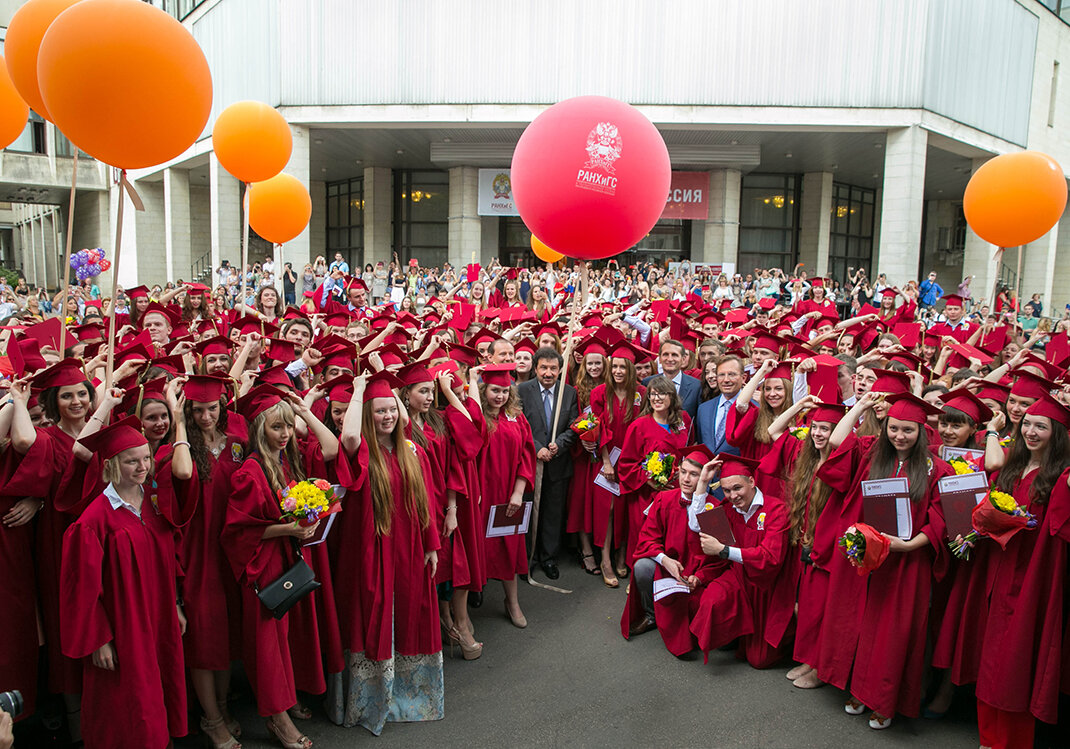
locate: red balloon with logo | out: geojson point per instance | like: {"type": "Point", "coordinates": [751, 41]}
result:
{"type": "Point", "coordinates": [590, 176]}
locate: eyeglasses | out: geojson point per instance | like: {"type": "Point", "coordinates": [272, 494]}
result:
{"type": "Point", "coordinates": [659, 396]}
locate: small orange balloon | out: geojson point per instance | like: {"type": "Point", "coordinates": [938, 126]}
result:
{"type": "Point", "coordinates": [279, 208]}
{"type": "Point", "coordinates": [1016, 198]}
{"type": "Point", "coordinates": [125, 81]}
{"type": "Point", "coordinates": [543, 252]}
{"type": "Point", "coordinates": [13, 110]}
{"type": "Point", "coordinates": [252, 141]}
{"type": "Point", "coordinates": [22, 43]}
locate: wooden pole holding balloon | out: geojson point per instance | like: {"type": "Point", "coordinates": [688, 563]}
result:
{"type": "Point", "coordinates": [66, 269]}
{"type": "Point", "coordinates": [244, 243]}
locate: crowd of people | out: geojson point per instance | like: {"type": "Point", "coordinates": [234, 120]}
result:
{"type": "Point", "coordinates": [703, 441]}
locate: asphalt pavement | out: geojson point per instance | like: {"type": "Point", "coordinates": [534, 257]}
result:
{"type": "Point", "coordinates": [571, 680]}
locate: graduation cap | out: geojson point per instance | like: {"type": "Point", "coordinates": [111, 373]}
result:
{"type": "Point", "coordinates": [890, 381]}
{"type": "Point", "coordinates": [782, 371]}
{"type": "Point", "coordinates": [47, 333]}
{"type": "Point", "coordinates": [1051, 371]}
{"type": "Point", "coordinates": [698, 454]}
{"type": "Point", "coordinates": [381, 385]}
{"type": "Point", "coordinates": [909, 407]}
{"type": "Point", "coordinates": [279, 349]}
{"type": "Point", "coordinates": [61, 374]}
{"type": "Point", "coordinates": [824, 381]}
{"type": "Point", "coordinates": [767, 303]}
{"type": "Point", "coordinates": [338, 355]}
{"type": "Point", "coordinates": [525, 344]}
{"type": "Point", "coordinates": [908, 333]}
{"type": "Point", "coordinates": [736, 465]}
{"type": "Point", "coordinates": [89, 332]}
{"type": "Point", "coordinates": [968, 351]}
{"type": "Point", "coordinates": [736, 316]}
{"type": "Point", "coordinates": [340, 389]}
{"type": "Point", "coordinates": [391, 355]}
{"type": "Point", "coordinates": [827, 412]}
{"type": "Point", "coordinates": [275, 376]}
{"type": "Point", "coordinates": [138, 292]}
{"type": "Point", "coordinates": [499, 374]}
{"type": "Point", "coordinates": [135, 396]}
{"type": "Point", "coordinates": [593, 345]}
{"type": "Point", "coordinates": [356, 282]}
{"type": "Point", "coordinates": [205, 388]}
{"type": "Point", "coordinates": [551, 328]}
{"type": "Point", "coordinates": [1029, 385]}
{"type": "Point", "coordinates": [173, 364]}
{"type": "Point", "coordinates": [109, 441]}
{"type": "Point", "coordinates": [214, 346]}
{"type": "Point", "coordinates": [952, 300]}
{"type": "Point", "coordinates": [993, 391]}
{"type": "Point", "coordinates": [970, 404]}
{"type": "Point", "coordinates": [295, 313]}
{"type": "Point", "coordinates": [768, 341]}
{"type": "Point", "coordinates": [1053, 409]}
{"type": "Point", "coordinates": [889, 292]}
{"type": "Point", "coordinates": [252, 324]}
{"type": "Point", "coordinates": [25, 357]}
{"type": "Point", "coordinates": [139, 347]}
{"type": "Point", "coordinates": [338, 319]}
{"type": "Point", "coordinates": [414, 374]}
{"type": "Point", "coordinates": [171, 314]}
{"type": "Point", "coordinates": [464, 354]}
{"type": "Point", "coordinates": [258, 400]}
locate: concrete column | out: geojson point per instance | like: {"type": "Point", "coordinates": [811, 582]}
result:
{"type": "Point", "coordinates": [489, 227]}
{"type": "Point", "coordinates": [1054, 304]}
{"type": "Point", "coordinates": [465, 227]}
{"type": "Point", "coordinates": [1038, 268]}
{"type": "Point", "coordinates": [902, 203]}
{"type": "Point", "coordinates": [720, 243]}
{"type": "Point", "coordinates": [146, 246]}
{"type": "Point", "coordinates": [378, 215]}
{"type": "Point", "coordinates": [815, 221]}
{"type": "Point", "coordinates": [92, 224]}
{"type": "Point", "coordinates": [177, 236]}
{"type": "Point", "coordinates": [317, 226]}
{"type": "Point", "coordinates": [979, 260]}
{"type": "Point", "coordinates": [224, 205]}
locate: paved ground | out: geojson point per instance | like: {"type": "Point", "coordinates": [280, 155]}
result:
{"type": "Point", "coordinates": [570, 680]}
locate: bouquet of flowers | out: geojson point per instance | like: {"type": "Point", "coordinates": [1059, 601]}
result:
{"type": "Point", "coordinates": [961, 465]}
{"type": "Point", "coordinates": [588, 430]}
{"type": "Point", "coordinates": [1006, 441]}
{"type": "Point", "coordinates": [800, 433]}
{"type": "Point", "coordinates": [660, 467]}
{"type": "Point", "coordinates": [998, 516]}
{"type": "Point", "coordinates": [865, 547]}
{"type": "Point", "coordinates": [307, 501]}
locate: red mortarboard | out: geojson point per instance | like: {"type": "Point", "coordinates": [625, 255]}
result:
{"type": "Point", "coordinates": [391, 355]}
{"type": "Point", "coordinates": [138, 292]}
{"type": "Point", "coordinates": [205, 388]}
{"type": "Point", "coordinates": [768, 341]}
{"type": "Point", "coordinates": [258, 400]}
{"type": "Point", "coordinates": [176, 365]}
{"type": "Point", "coordinates": [970, 404]}
{"type": "Point", "coordinates": [295, 313]}
{"type": "Point", "coordinates": [338, 319]}
{"type": "Point", "coordinates": [824, 382]}
{"type": "Point", "coordinates": [196, 289]}
{"type": "Point", "coordinates": [340, 389]}
{"type": "Point", "coordinates": [61, 374]}
{"type": "Point", "coordinates": [275, 376]}
{"type": "Point", "coordinates": [994, 391]}
{"type": "Point", "coordinates": [499, 374]}
{"type": "Point", "coordinates": [968, 351]}
{"type": "Point", "coordinates": [525, 344]}
{"type": "Point", "coordinates": [1051, 371]}
{"type": "Point", "coordinates": [953, 299]}
{"type": "Point", "coordinates": [908, 333]}
{"type": "Point", "coordinates": [736, 316]}
{"type": "Point", "coordinates": [47, 333]}
{"type": "Point", "coordinates": [170, 313]}
{"type": "Point", "coordinates": [782, 371]}
{"type": "Point", "coordinates": [483, 335]}
{"type": "Point", "coordinates": [111, 440]}
{"type": "Point", "coordinates": [817, 283]}
{"type": "Point", "coordinates": [216, 345]}
{"type": "Point", "coordinates": [698, 454]}
{"type": "Point", "coordinates": [828, 412]}
{"type": "Point", "coordinates": [89, 332]}
{"type": "Point", "coordinates": [766, 303]}
{"type": "Point", "coordinates": [891, 291]}
{"type": "Point", "coordinates": [909, 407]}
{"type": "Point", "coordinates": [338, 355]}
{"type": "Point", "coordinates": [414, 374]}
{"type": "Point", "coordinates": [1029, 385]}
{"type": "Point", "coordinates": [464, 354]}
{"type": "Point", "coordinates": [890, 381]}
{"type": "Point", "coordinates": [1053, 409]}
{"type": "Point", "coordinates": [593, 345]}
{"type": "Point", "coordinates": [140, 347]}
{"type": "Point", "coordinates": [381, 385]}
{"type": "Point", "coordinates": [281, 350]}
{"type": "Point", "coordinates": [550, 327]}
{"type": "Point", "coordinates": [735, 465]}
{"type": "Point", "coordinates": [356, 283]}
{"type": "Point", "coordinates": [25, 356]}
{"type": "Point", "coordinates": [251, 324]}
{"type": "Point", "coordinates": [135, 396]}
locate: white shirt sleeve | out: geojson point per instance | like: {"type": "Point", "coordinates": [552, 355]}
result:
{"type": "Point", "coordinates": [735, 555]}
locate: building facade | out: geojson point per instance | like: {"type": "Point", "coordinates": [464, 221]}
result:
{"type": "Point", "coordinates": [830, 133]}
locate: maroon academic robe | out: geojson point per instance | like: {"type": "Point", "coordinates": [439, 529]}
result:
{"type": "Point", "coordinates": [255, 562]}
{"type": "Point", "coordinates": [737, 603]}
{"type": "Point", "coordinates": [118, 586]}
{"type": "Point", "coordinates": [1022, 650]}
{"type": "Point", "coordinates": [739, 432]}
{"type": "Point", "coordinates": [209, 590]}
{"type": "Point", "coordinates": [643, 437]}
{"type": "Point", "coordinates": [887, 653]}
{"type": "Point", "coordinates": [386, 597]}
{"type": "Point", "coordinates": [467, 439]}
{"type": "Point", "coordinates": [666, 532]}
{"type": "Point", "coordinates": [452, 558]}
{"type": "Point", "coordinates": [585, 467]}
{"type": "Point", "coordinates": [508, 456]}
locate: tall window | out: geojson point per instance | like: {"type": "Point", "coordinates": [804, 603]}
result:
{"type": "Point", "coordinates": [514, 243]}
{"type": "Point", "coordinates": [421, 216]}
{"type": "Point", "coordinates": [768, 221]}
{"type": "Point", "coordinates": [345, 220]}
{"type": "Point", "coordinates": [851, 230]}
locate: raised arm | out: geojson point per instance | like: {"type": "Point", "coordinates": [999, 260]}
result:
{"type": "Point", "coordinates": [995, 458]}
{"type": "Point", "coordinates": [328, 442]}
{"type": "Point", "coordinates": [748, 391]}
{"type": "Point", "coordinates": [783, 422]}
{"type": "Point", "coordinates": [181, 457]}
{"type": "Point", "coordinates": [351, 424]}
{"type": "Point", "coordinates": [97, 421]}
{"type": "Point", "coordinates": [23, 435]}
{"type": "Point", "coordinates": [847, 423]}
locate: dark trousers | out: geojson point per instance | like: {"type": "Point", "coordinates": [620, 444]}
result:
{"type": "Point", "coordinates": [551, 520]}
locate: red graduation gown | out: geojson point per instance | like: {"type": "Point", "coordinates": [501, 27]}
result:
{"type": "Point", "coordinates": [1022, 650]}
{"type": "Point", "coordinates": [386, 596]}
{"type": "Point", "coordinates": [739, 431]}
{"type": "Point", "coordinates": [118, 586]}
{"type": "Point", "coordinates": [452, 558]}
{"type": "Point", "coordinates": [256, 562]}
{"type": "Point", "coordinates": [666, 532]}
{"type": "Point", "coordinates": [467, 439]}
{"type": "Point", "coordinates": [509, 455]}
{"type": "Point", "coordinates": [887, 651]}
{"type": "Point", "coordinates": [737, 603]}
{"type": "Point", "coordinates": [644, 436]}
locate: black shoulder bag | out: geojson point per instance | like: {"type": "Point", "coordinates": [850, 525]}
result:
{"type": "Point", "coordinates": [281, 594]}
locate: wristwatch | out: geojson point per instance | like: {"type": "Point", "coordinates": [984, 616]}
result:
{"type": "Point", "coordinates": [723, 553]}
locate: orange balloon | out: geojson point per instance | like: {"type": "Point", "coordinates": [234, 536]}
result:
{"type": "Point", "coordinates": [13, 110]}
{"type": "Point", "coordinates": [543, 252]}
{"type": "Point", "coordinates": [1016, 198]}
{"type": "Point", "coordinates": [22, 44]}
{"type": "Point", "coordinates": [279, 208]}
{"type": "Point", "coordinates": [125, 81]}
{"type": "Point", "coordinates": [252, 141]}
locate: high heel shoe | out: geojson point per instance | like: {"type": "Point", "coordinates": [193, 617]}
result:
{"type": "Point", "coordinates": [211, 725]}
{"type": "Point", "coordinates": [303, 742]}
{"type": "Point", "coordinates": [232, 725]}
{"type": "Point", "coordinates": [608, 577]}
{"type": "Point", "coordinates": [520, 622]}
{"type": "Point", "coordinates": [470, 652]}
{"type": "Point", "coordinates": [593, 569]}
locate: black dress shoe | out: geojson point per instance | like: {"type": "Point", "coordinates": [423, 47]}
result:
{"type": "Point", "coordinates": [475, 599]}
{"type": "Point", "coordinates": [549, 566]}
{"type": "Point", "coordinates": [646, 625]}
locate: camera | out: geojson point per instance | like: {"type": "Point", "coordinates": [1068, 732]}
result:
{"type": "Point", "coordinates": [11, 703]}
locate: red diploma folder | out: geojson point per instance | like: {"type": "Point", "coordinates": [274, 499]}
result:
{"type": "Point", "coordinates": [958, 496]}
{"type": "Point", "coordinates": [715, 523]}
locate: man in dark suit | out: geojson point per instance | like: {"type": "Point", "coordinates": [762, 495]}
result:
{"type": "Point", "coordinates": [538, 398]}
{"type": "Point", "coordinates": [672, 357]}
{"type": "Point", "coordinates": [711, 423]}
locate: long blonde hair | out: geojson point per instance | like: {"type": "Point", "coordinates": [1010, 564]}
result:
{"type": "Point", "coordinates": [258, 443]}
{"type": "Point", "coordinates": [413, 489]}
{"type": "Point", "coordinates": [805, 484]}
{"type": "Point", "coordinates": [511, 408]}
{"type": "Point", "coordinates": [767, 414]}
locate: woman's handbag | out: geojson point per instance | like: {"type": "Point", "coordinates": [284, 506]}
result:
{"type": "Point", "coordinates": [281, 594]}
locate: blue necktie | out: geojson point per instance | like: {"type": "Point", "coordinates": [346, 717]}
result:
{"type": "Point", "coordinates": [721, 423]}
{"type": "Point", "coordinates": [548, 410]}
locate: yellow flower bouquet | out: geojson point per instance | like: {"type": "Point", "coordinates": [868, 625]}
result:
{"type": "Point", "coordinates": [307, 501]}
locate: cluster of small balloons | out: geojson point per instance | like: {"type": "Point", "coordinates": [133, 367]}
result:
{"type": "Point", "coordinates": [89, 263]}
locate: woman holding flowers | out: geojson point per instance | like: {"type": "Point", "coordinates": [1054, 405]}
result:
{"type": "Point", "coordinates": [261, 546]}
{"type": "Point", "coordinates": [662, 427]}
{"type": "Point", "coordinates": [593, 373]}
{"type": "Point", "coordinates": [1015, 620]}
{"type": "Point", "coordinates": [874, 633]}
{"type": "Point", "coordinates": [385, 570]}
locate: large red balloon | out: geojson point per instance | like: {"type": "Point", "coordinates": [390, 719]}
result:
{"type": "Point", "coordinates": [590, 176]}
{"type": "Point", "coordinates": [1016, 198]}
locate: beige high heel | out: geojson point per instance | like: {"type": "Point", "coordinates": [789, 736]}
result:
{"type": "Point", "coordinates": [211, 725]}
{"type": "Point", "coordinates": [520, 622]}
{"type": "Point", "coordinates": [232, 725]}
{"type": "Point", "coordinates": [303, 742]}
{"type": "Point", "coordinates": [470, 652]}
